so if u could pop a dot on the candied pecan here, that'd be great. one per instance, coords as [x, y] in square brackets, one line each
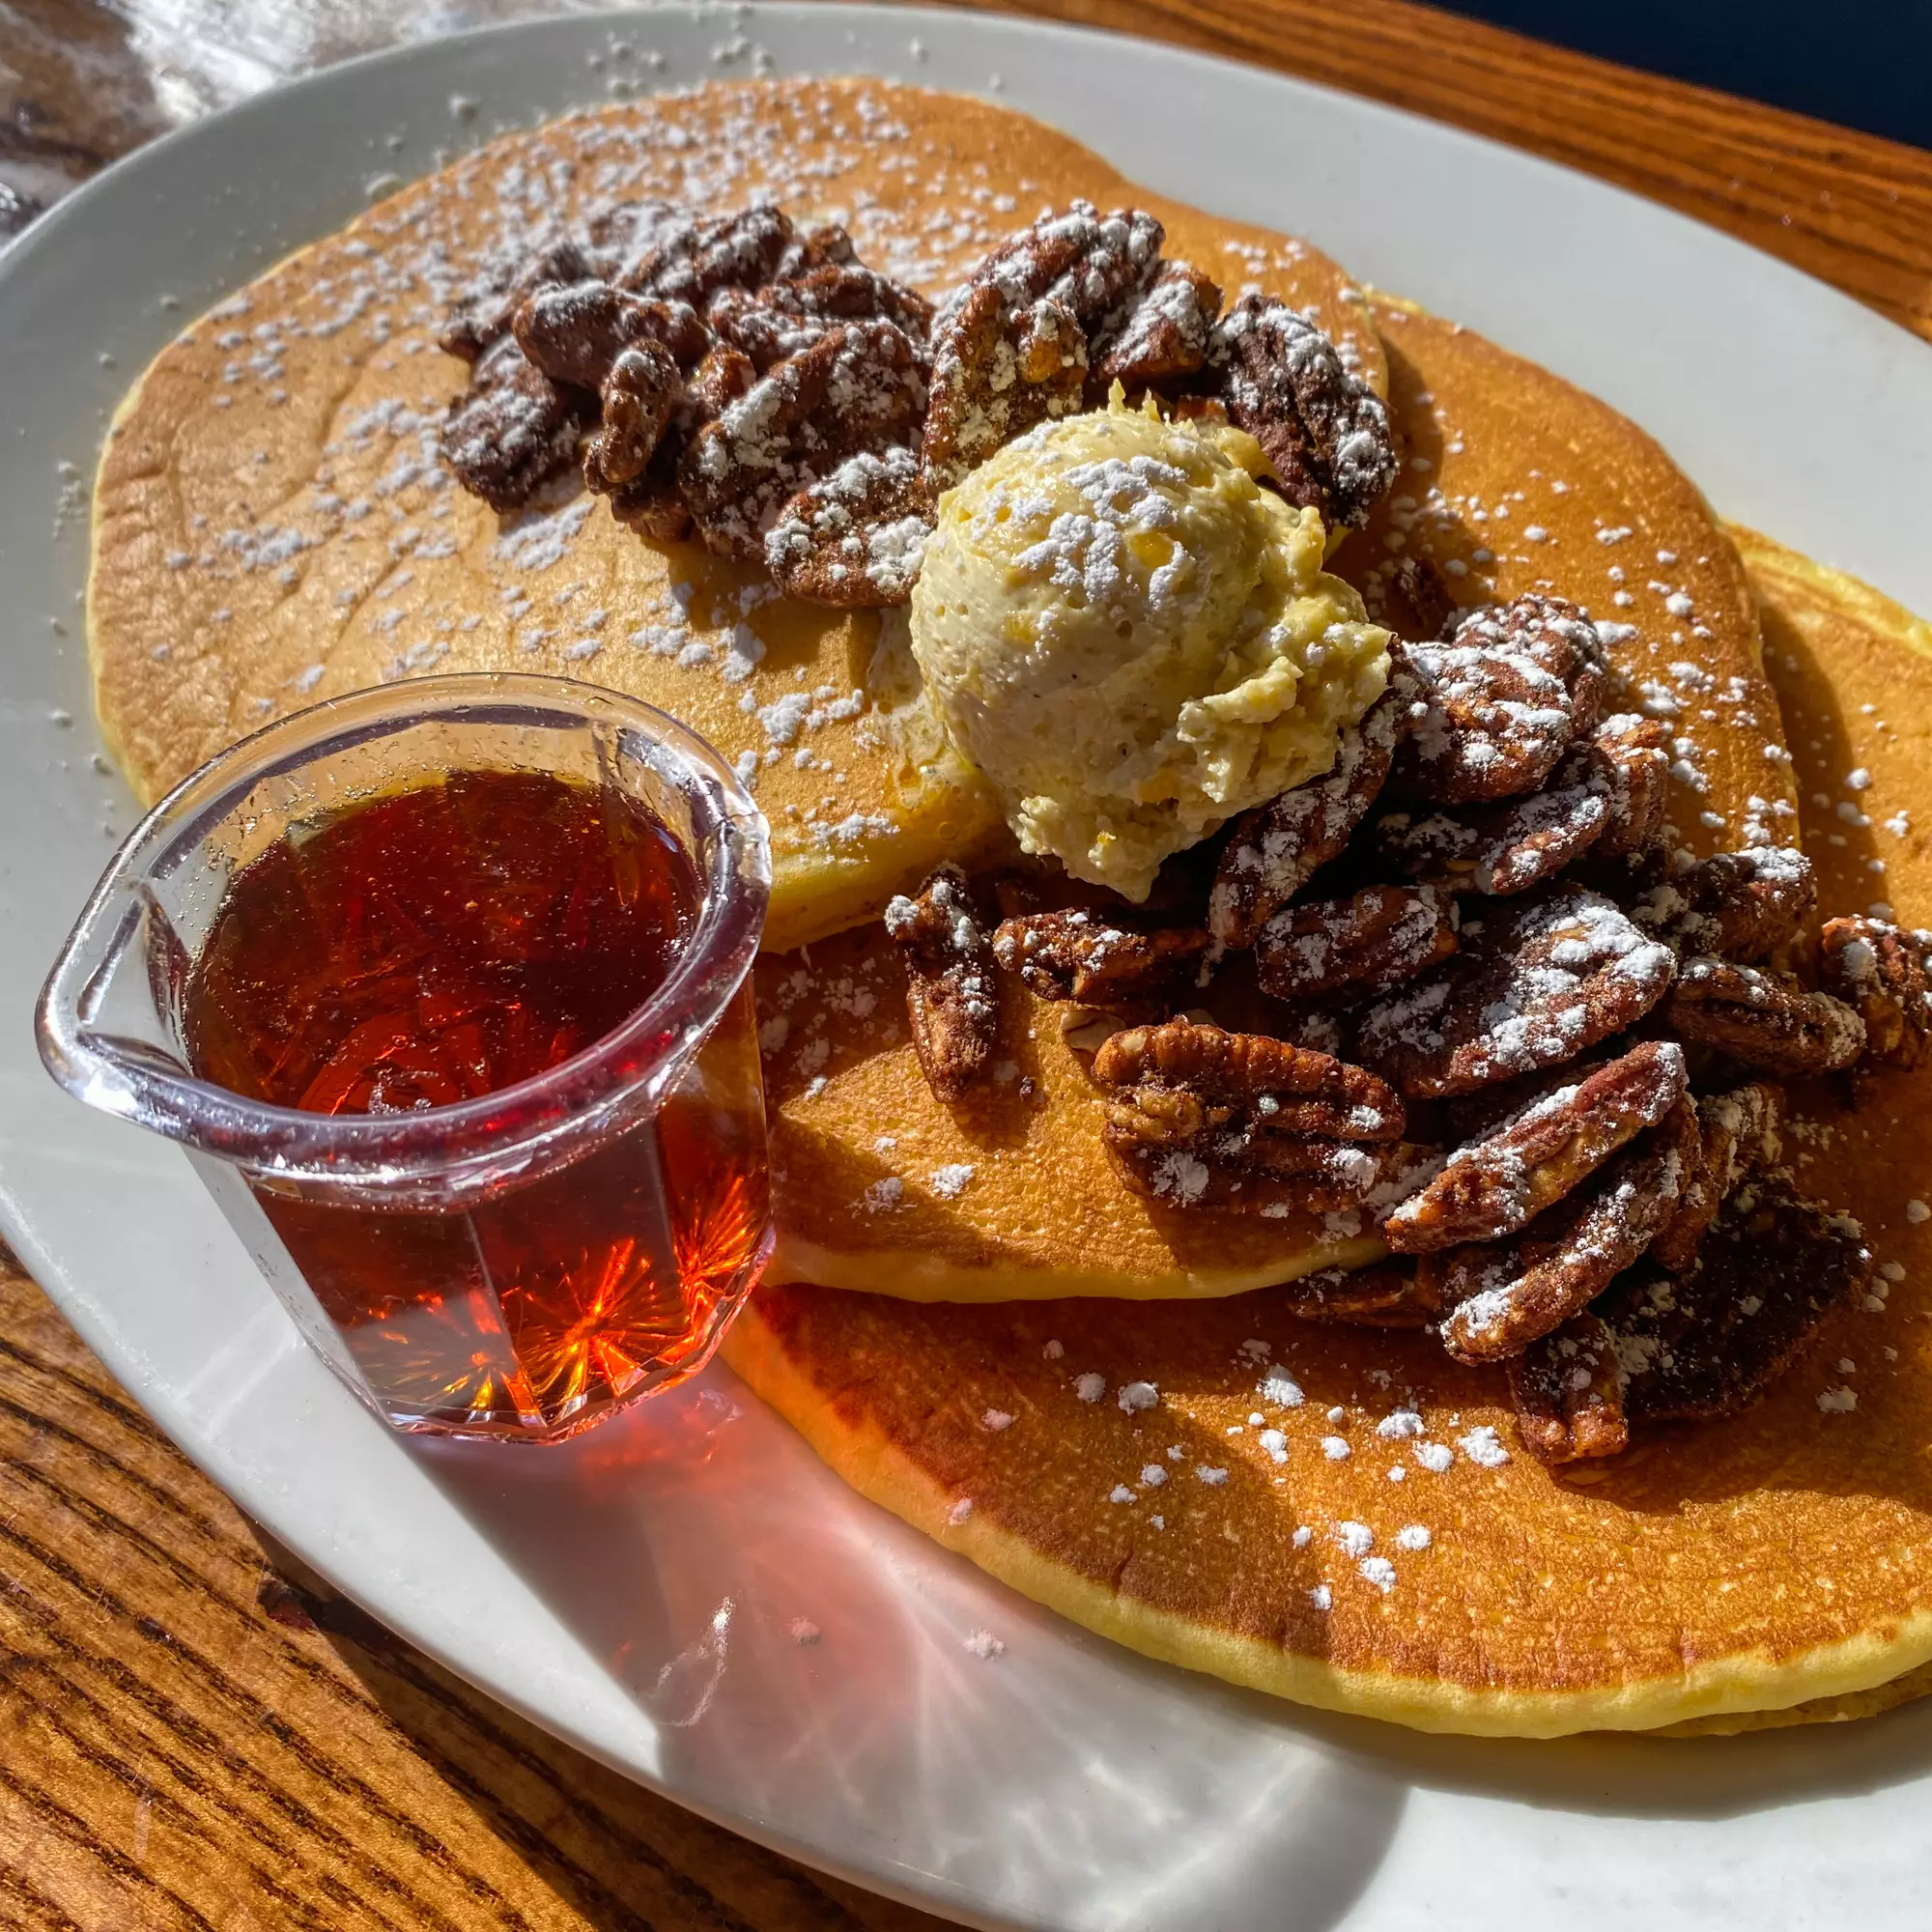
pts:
[1505, 1181]
[1324, 432]
[717, 383]
[690, 261]
[1426, 592]
[1082, 956]
[1503, 1298]
[1185, 1076]
[1011, 350]
[825, 246]
[512, 429]
[651, 505]
[1763, 1019]
[951, 992]
[1386, 1297]
[575, 332]
[1737, 1133]
[1636, 765]
[1358, 946]
[857, 388]
[482, 316]
[1501, 700]
[990, 383]
[1707, 1343]
[1541, 980]
[1568, 1395]
[1162, 333]
[790, 313]
[1200, 1118]
[1734, 905]
[638, 397]
[1278, 847]
[1499, 850]
[1092, 263]
[856, 537]
[1887, 976]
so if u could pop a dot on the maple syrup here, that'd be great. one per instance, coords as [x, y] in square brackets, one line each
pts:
[447, 941]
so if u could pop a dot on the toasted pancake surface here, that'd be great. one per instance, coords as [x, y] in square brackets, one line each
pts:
[273, 523]
[1517, 481]
[1774, 1569]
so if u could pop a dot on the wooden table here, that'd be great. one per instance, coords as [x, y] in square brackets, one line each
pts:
[193, 1734]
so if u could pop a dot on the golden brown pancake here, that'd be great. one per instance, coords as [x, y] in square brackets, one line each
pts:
[1774, 1569]
[273, 524]
[1516, 481]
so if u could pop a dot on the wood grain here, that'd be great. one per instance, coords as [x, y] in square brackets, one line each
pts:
[193, 1733]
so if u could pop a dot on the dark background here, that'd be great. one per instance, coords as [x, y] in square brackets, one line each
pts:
[1865, 63]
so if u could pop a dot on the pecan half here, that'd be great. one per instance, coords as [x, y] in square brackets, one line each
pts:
[1324, 432]
[1503, 1298]
[639, 398]
[1887, 976]
[512, 429]
[825, 246]
[1737, 1133]
[1543, 979]
[1763, 1019]
[1278, 847]
[1504, 1182]
[1186, 1076]
[1162, 333]
[786, 315]
[482, 315]
[1568, 1391]
[1358, 946]
[652, 505]
[1709, 1342]
[1388, 1295]
[1085, 957]
[1735, 905]
[1420, 584]
[690, 258]
[1635, 754]
[575, 332]
[857, 387]
[951, 992]
[1499, 850]
[1199, 1118]
[1012, 348]
[856, 538]
[1501, 700]
[724, 375]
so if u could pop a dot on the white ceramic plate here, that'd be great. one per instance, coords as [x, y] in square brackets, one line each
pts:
[634, 1591]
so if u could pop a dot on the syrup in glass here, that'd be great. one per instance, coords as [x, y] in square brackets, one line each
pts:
[448, 941]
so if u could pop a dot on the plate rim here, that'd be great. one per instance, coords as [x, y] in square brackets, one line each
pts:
[78, 208]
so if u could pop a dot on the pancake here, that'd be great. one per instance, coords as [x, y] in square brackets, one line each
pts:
[273, 523]
[1775, 1569]
[1516, 481]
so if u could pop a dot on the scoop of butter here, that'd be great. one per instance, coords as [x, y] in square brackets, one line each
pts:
[1133, 640]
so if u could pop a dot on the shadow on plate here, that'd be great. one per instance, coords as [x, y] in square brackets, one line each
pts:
[815, 1667]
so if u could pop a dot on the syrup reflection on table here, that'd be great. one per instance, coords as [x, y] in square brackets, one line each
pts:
[807, 1657]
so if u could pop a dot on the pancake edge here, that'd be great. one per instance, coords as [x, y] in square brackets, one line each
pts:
[1848, 594]
[1740, 1685]
[929, 1277]
[125, 764]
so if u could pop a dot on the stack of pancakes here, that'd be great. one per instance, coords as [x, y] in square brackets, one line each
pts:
[1103, 1400]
